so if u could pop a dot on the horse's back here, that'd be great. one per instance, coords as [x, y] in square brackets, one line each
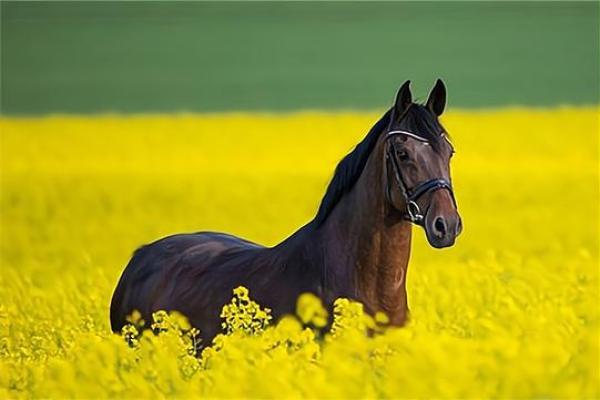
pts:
[162, 274]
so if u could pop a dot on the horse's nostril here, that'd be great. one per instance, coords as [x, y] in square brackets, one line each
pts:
[440, 226]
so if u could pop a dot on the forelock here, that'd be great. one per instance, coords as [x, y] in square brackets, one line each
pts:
[422, 122]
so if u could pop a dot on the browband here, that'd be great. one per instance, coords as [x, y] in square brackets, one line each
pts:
[410, 134]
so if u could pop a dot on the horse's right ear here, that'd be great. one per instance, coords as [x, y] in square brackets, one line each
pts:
[403, 99]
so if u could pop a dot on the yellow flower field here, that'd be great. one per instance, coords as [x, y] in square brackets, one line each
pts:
[510, 311]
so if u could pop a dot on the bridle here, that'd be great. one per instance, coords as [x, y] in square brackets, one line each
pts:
[411, 195]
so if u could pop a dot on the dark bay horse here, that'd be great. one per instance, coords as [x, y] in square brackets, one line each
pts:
[357, 246]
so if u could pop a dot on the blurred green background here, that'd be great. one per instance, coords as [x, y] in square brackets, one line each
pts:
[87, 57]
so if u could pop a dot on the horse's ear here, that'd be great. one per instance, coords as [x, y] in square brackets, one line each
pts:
[403, 99]
[437, 98]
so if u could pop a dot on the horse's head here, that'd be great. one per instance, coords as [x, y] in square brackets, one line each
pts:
[418, 153]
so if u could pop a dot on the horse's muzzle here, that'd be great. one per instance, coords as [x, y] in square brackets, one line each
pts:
[442, 223]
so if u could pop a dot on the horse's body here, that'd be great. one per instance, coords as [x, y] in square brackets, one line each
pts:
[357, 246]
[196, 273]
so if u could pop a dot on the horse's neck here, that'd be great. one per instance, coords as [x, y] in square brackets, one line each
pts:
[367, 246]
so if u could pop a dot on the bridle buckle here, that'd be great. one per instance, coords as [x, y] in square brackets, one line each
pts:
[414, 212]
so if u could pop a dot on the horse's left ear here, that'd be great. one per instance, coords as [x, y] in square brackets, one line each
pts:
[403, 99]
[437, 98]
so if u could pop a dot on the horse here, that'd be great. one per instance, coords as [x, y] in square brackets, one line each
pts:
[356, 247]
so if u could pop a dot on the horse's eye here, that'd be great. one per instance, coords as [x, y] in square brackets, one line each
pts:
[402, 154]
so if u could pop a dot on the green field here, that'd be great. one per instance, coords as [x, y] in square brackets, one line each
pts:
[82, 57]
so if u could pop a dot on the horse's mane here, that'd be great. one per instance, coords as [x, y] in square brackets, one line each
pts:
[349, 169]
[417, 118]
